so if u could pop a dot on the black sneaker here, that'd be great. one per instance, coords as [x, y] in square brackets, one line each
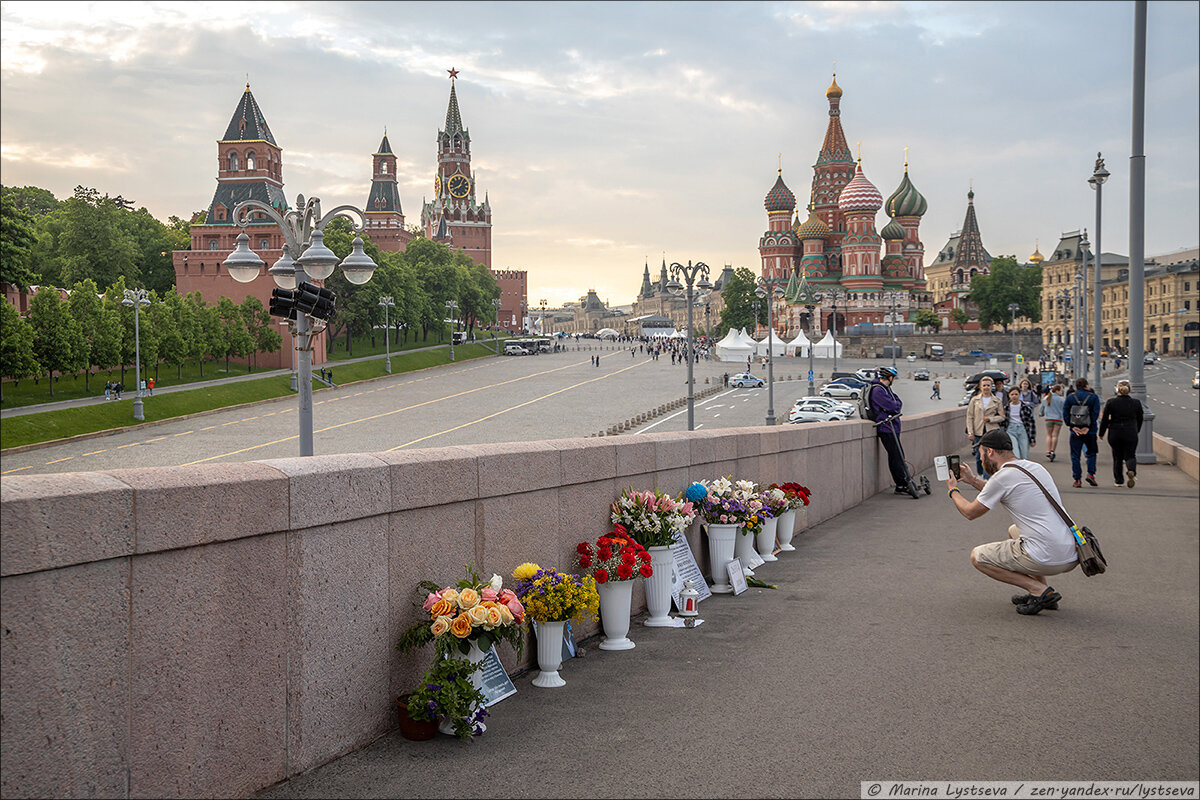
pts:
[1042, 601]
[1021, 599]
[901, 490]
[1051, 455]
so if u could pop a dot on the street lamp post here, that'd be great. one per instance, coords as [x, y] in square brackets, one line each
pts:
[542, 319]
[291, 378]
[834, 295]
[1082, 277]
[495, 340]
[1079, 321]
[774, 295]
[137, 298]
[1064, 314]
[387, 302]
[809, 300]
[450, 306]
[1013, 308]
[689, 275]
[303, 231]
[892, 301]
[1099, 176]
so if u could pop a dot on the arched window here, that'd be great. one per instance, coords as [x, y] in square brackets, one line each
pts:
[250, 160]
[974, 272]
[212, 245]
[383, 168]
[233, 162]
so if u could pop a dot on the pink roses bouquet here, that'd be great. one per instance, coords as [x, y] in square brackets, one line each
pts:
[482, 612]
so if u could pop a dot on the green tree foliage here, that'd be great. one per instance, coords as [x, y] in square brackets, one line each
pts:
[235, 339]
[58, 341]
[86, 238]
[32, 199]
[175, 330]
[356, 306]
[434, 267]
[738, 294]
[264, 338]
[17, 359]
[927, 318]
[101, 327]
[17, 239]
[1007, 283]
[959, 317]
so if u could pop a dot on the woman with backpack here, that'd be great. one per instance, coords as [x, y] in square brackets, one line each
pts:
[1122, 420]
[1052, 410]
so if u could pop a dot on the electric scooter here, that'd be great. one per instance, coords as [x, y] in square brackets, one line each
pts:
[913, 486]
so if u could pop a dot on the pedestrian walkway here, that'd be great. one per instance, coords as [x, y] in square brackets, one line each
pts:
[882, 654]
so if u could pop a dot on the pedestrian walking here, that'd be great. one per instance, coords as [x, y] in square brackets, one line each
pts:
[150, 383]
[1052, 409]
[1021, 426]
[937, 391]
[108, 390]
[119, 388]
[1082, 413]
[1122, 421]
[1039, 544]
[984, 413]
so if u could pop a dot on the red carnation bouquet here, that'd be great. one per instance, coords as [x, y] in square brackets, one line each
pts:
[797, 495]
[614, 557]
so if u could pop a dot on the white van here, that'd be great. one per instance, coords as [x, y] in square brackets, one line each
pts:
[515, 350]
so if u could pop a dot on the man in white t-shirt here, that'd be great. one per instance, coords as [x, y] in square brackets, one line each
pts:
[1038, 544]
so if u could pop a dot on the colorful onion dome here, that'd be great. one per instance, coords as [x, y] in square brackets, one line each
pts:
[813, 228]
[780, 198]
[906, 200]
[893, 230]
[834, 90]
[860, 194]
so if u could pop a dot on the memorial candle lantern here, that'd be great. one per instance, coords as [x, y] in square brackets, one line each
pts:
[688, 598]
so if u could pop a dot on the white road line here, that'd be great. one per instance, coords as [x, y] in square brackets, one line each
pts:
[661, 421]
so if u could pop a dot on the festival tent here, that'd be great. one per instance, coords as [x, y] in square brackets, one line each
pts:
[801, 343]
[607, 333]
[732, 348]
[678, 335]
[747, 339]
[825, 347]
[777, 346]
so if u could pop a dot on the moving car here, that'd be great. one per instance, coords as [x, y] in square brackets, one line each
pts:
[744, 379]
[841, 389]
[814, 411]
[1196, 380]
[515, 350]
[921, 374]
[1150, 358]
[849, 409]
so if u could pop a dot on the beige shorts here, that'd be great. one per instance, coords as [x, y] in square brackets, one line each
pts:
[1010, 555]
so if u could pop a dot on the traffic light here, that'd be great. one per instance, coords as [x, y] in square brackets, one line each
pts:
[283, 303]
[314, 301]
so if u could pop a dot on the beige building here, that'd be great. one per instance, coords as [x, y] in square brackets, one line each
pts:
[1058, 281]
[1172, 318]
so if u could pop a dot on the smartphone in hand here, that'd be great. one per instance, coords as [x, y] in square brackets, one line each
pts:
[954, 462]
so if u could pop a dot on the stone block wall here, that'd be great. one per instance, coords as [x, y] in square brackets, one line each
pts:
[212, 630]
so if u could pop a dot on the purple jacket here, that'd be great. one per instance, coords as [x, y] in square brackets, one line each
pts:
[884, 402]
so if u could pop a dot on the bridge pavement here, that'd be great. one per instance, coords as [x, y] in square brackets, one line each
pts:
[882, 654]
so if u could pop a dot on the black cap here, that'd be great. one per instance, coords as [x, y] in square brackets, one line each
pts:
[997, 440]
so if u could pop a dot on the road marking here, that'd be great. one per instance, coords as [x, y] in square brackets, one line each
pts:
[68, 458]
[131, 444]
[18, 469]
[185, 433]
[716, 415]
[270, 415]
[231, 422]
[248, 419]
[105, 450]
[661, 421]
[209, 428]
[159, 439]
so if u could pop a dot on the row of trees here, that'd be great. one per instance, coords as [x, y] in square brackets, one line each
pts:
[93, 331]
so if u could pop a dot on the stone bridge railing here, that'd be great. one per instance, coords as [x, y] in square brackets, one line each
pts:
[212, 630]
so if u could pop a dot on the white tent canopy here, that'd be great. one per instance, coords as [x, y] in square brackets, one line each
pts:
[678, 335]
[607, 333]
[776, 346]
[825, 347]
[801, 343]
[732, 348]
[746, 338]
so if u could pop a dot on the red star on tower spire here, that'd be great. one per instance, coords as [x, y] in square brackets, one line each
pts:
[453, 73]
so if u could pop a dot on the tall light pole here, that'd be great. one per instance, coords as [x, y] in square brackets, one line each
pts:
[892, 302]
[287, 324]
[808, 298]
[387, 302]
[775, 294]
[137, 298]
[689, 275]
[1099, 176]
[1064, 309]
[542, 320]
[495, 339]
[1082, 306]
[1078, 327]
[833, 296]
[303, 231]
[1137, 234]
[450, 306]
[1013, 308]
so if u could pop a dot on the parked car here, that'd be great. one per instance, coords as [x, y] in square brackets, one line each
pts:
[814, 411]
[911, 357]
[921, 374]
[745, 379]
[866, 374]
[849, 409]
[1196, 380]
[1150, 358]
[515, 350]
[841, 389]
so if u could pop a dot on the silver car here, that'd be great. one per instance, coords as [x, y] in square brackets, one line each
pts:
[836, 389]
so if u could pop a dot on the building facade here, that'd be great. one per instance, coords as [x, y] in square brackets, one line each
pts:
[1058, 287]
[1171, 323]
[962, 258]
[385, 215]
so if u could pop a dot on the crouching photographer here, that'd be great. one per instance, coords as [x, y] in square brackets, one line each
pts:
[1039, 544]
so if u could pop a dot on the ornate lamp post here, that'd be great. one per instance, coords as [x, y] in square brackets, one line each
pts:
[137, 298]
[496, 341]
[1013, 308]
[303, 231]
[387, 302]
[689, 275]
[542, 320]
[1079, 320]
[291, 378]
[1099, 176]
[450, 306]
[892, 301]
[1082, 303]
[806, 297]
[834, 296]
[761, 292]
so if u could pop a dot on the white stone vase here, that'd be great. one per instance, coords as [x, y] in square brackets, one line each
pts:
[720, 552]
[658, 587]
[785, 529]
[474, 655]
[765, 540]
[549, 655]
[743, 550]
[616, 600]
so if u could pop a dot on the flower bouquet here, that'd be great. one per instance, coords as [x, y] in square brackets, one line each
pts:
[469, 612]
[448, 692]
[728, 503]
[550, 596]
[775, 501]
[652, 518]
[614, 557]
[797, 495]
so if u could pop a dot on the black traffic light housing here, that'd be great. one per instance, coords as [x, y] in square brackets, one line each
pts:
[283, 303]
[314, 301]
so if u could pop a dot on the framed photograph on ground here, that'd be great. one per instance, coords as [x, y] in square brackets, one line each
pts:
[737, 579]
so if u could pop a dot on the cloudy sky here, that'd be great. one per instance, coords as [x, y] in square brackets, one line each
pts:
[606, 134]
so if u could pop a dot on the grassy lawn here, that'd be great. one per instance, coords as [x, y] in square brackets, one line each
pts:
[51, 425]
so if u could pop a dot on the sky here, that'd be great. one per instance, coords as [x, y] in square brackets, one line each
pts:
[609, 134]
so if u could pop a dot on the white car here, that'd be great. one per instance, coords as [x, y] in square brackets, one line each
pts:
[849, 409]
[515, 350]
[743, 379]
[865, 374]
[836, 389]
[815, 411]
[911, 358]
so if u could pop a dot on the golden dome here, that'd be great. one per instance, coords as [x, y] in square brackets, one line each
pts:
[1037, 257]
[834, 90]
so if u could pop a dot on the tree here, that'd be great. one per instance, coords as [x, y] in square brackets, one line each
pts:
[927, 318]
[1007, 283]
[100, 327]
[17, 238]
[356, 306]
[959, 317]
[154, 244]
[738, 294]
[264, 338]
[17, 359]
[174, 331]
[31, 199]
[235, 339]
[58, 342]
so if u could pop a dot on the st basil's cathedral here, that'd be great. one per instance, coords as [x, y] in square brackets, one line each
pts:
[837, 250]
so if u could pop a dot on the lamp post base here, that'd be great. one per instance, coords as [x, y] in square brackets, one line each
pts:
[137, 409]
[387, 365]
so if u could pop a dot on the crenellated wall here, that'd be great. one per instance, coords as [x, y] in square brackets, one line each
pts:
[212, 630]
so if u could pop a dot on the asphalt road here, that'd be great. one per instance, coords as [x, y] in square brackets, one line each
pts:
[1175, 403]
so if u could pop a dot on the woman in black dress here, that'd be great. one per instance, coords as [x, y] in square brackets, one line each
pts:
[1122, 420]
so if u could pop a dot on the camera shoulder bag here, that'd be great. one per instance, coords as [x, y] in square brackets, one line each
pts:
[1087, 546]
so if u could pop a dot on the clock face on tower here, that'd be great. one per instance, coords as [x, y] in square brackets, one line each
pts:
[459, 185]
[437, 186]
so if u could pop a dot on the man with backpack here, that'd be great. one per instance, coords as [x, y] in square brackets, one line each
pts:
[1082, 413]
[879, 404]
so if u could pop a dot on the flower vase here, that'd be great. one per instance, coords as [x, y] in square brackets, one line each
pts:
[658, 587]
[785, 529]
[743, 550]
[720, 552]
[765, 540]
[474, 655]
[616, 600]
[415, 729]
[549, 654]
